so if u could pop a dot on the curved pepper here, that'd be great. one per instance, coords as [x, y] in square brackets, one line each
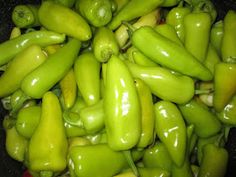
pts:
[132, 10]
[163, 83]
[228, 44]
[69, 89]
[10, 48]
[25, 16]
[97, 12]
[87, 75]
[104, 44]
[44, 77]
[47, 152]
[62, 19]
[205, 122]
[216, 35]
[27, 120]
[157, 157]
[216, 167]
[24, 63]
[228, 114]
[168, 53]
[175, 18]
[121, 106]
[224, 84]
[197, 26]
[147, 114]
[171, 129]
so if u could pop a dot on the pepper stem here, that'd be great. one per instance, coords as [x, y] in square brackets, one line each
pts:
[131, 163]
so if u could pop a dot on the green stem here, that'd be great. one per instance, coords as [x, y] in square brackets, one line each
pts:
[131, 163]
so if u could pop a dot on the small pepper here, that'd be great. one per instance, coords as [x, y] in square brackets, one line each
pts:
[62, 19]
[170, 128]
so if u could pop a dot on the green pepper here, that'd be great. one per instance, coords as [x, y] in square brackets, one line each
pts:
[205, 122]
[147, 114]
[157, 156]
[132, 10]
[93, 117]
[97, 138]
[10, 48]
[73, 130]
[47, 152]
[224, 84]
[66, 3]
[44, 77]
[97, 12]
[164, 83]
[27, 120]
[24, 63]
[228, 44]
[104, 44]
[168, 53]
[175, 18]
[25, 16]
[77, 141]
[169, 32]
[87, 75]
[15, 144]
[171, 129]
[121, 106]
[197, 26]
[170, 3]
[62, 19]
[228, 114]
[120, 4]
[214, 161]
[216, 35]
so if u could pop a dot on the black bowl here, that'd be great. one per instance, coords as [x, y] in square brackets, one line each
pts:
[12, 168]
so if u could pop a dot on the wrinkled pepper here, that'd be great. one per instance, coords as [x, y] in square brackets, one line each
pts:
[170, 128]
[24, 63]
[44, 77]
[121, 106]
[47, 153]
[168, 53]
[224, 84]
[205, 122]
[87, 75]
[97, 12]
[132, 10]
[163, 83]
[62, 19]
[10, 48]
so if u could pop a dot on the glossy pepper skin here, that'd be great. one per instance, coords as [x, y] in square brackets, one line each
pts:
[157, 157]
[47, 153]
[147, 114]
[61, 19]
[205, 122]
[163, 83]
[10, 48]
[51, 71]
[168, 53]
[27, 120]
[132, 10]
[121, 106]
[106, 163]
[87, 75]
[170, 128]
[216, 35]
[228, 45]
[197, 26]
[216, 167]
[97, 12]
[224, 84]
[24, 63]
[104, 44]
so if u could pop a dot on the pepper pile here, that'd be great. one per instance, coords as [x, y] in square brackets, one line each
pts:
[119, 88]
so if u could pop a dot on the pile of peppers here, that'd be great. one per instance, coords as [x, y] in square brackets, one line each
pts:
[119, 88]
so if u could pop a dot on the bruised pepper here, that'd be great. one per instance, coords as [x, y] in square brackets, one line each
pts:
[47, 152]
[121, 106]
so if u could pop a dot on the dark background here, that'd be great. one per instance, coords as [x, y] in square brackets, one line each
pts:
[12, 168]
